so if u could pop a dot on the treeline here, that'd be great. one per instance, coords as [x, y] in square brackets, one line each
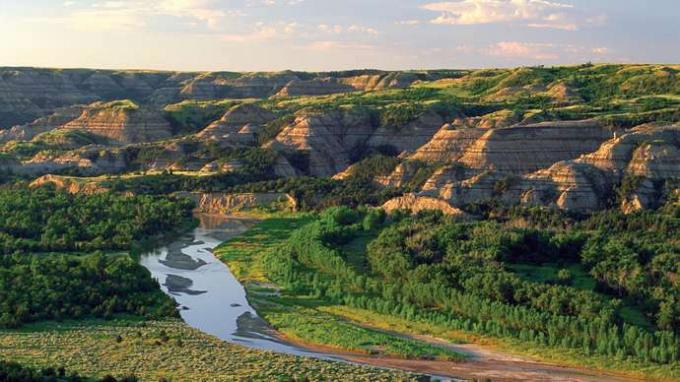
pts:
[14, 372]
[429, 267]
[45, 219]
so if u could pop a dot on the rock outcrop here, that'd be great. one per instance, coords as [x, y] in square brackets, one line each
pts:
[238, 126]
[315, 87]
[326, 138]
[220, 203]
[448, 144]
[122, 122]
[233, 85]
[415, 203]
[648, 153]
[91, 160]
[524, 149]
[402, 174]
[497, 170]
[69, 184]
[41, 125]
[410, 137]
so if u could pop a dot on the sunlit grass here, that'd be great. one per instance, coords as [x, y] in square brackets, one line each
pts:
[167, 349]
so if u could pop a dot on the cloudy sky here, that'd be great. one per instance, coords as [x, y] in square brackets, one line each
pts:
[335, 34]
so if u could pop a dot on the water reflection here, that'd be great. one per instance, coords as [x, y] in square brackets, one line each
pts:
[210, 297]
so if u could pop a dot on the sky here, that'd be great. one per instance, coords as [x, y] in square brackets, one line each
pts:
[321, 35]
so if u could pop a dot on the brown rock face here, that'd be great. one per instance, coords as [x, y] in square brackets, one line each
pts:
[27, 94]
[415, 204]
[448, 144]
[651, 153]
[523, 149]
[410, 137]
[582, 184]
[568, 185]
[238, 126]
[91, 160]
[123, 124]
[401, 175]
[219, 203]
[328, 138]
[71, 185]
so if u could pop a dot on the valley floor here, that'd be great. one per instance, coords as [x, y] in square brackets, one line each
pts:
[357, 335]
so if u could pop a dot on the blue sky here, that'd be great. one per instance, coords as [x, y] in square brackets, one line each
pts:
[248, 35]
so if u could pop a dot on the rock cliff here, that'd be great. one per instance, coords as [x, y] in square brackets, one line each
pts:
[327, 139]
[522, 149]
[69, 184]
[122, 122]
[29, 131]
[220, 203]
[315, 87]
[415, 203]
[410, 137]
[448, 144]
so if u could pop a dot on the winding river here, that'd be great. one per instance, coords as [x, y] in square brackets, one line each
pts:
[210, 297]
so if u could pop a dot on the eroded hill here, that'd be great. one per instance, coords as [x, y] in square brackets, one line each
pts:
[577, 138]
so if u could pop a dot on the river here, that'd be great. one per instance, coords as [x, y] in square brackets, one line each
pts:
[209, 296]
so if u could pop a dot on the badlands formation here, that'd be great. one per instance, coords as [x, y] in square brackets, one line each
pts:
[531, 136]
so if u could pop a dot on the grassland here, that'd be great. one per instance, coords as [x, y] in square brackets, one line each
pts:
[165, 349]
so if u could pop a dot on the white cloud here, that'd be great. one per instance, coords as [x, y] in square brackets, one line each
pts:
[362, 29]
[536, 13]
[337, 45]
[515, 49]
[538, 51]
[264, 32]
[408, 22]
[135, 14]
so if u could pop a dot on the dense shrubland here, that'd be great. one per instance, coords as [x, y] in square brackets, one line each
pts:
[613, 293]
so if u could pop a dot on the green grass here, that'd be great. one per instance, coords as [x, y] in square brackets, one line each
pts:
[354, 251]
[243, 253]
[305, 321]
[543, 273]
[581, 279]
[165, 349]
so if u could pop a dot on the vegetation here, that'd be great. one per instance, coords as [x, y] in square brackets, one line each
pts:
[66, 286]
[45, 219]
[36, 222]
[600, 288]
[190, 116]
[12, 371]
[304, 317]
[165, 350]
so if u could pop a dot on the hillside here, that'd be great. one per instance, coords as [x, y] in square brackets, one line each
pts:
[566, 137]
